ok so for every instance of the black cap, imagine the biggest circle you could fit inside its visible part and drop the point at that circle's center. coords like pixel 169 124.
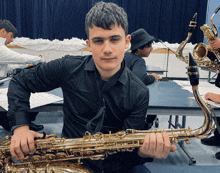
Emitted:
pixel 140 38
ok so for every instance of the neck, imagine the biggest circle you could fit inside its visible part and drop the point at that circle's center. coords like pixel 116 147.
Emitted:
pixel 107 74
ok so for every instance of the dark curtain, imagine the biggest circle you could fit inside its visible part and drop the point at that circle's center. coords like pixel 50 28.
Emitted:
pixel 167 20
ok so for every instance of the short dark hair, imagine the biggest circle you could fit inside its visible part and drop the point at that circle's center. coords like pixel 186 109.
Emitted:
pixel 143 46
pixel 9 27
pixel 104 14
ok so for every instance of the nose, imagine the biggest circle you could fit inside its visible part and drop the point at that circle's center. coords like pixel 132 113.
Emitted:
pixel 107 49
pixel 12 39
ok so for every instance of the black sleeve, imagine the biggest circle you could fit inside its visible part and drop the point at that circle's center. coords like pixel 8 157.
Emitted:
pixel 139 69
pixel 40 78
pixel 217 81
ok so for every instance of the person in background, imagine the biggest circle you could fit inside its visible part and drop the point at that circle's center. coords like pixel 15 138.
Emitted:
pixel 215 139
pixel 100 94
pixel 141 46
pixel 8 57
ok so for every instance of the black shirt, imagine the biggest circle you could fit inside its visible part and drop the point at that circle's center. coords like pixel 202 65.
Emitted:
pixel 124 99
pixel 137 65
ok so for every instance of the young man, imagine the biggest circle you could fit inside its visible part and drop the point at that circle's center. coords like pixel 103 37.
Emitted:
pixel 141 46
pixel 100 94
pixel 8 59
pixel 214 140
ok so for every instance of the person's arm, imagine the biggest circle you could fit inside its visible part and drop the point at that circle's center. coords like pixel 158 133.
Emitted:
pixel 212 96
pixel 8 56
pixel 39 78
pixel 156 145
pixel 139 69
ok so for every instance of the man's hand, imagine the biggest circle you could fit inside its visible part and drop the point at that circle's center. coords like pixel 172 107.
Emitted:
pixel 215 44
pixel 22 142
pixel 212 96
pixel 156 145
pixel 155 76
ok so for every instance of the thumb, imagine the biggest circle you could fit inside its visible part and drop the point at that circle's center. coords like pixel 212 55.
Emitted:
pixel 39 135
pixel 173 148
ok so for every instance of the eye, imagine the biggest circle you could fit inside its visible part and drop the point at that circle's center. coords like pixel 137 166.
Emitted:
pixel 98 41
pixel 115 40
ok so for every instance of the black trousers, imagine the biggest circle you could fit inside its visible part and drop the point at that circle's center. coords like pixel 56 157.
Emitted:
pixel 217 130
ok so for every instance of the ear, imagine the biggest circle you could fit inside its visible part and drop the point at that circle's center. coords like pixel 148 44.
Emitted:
pixel 88 45
pixel 127 41
pixel 2 32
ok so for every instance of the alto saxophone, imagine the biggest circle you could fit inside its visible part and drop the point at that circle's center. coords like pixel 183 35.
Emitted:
pixel 204 56
pixel 64 155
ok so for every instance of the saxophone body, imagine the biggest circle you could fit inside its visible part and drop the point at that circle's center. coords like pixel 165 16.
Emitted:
pixel 205 56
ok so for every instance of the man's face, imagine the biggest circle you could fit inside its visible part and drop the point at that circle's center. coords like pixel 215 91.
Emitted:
pixel 108 47
pixel 7 35
pixel 145 52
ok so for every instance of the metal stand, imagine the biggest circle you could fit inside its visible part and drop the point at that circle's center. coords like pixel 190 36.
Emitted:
pixel 192 161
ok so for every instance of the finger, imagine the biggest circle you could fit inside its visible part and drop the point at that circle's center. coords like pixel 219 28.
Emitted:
pixel 12 149
pixel 152 144
pixel 24 145
pixel 17 149
pixel 146 144
pixel 31 146
pixel 144 150
pixel 160 145
pixel 173 148
pixel 166 147
pixel 39 135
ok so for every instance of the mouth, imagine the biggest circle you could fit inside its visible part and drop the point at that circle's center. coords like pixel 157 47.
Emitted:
pixel 108 59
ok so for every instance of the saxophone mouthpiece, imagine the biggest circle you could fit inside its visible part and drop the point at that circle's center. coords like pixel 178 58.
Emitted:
pixel 193 72
pixel 194 17
pixel 193 23
pixel 217 9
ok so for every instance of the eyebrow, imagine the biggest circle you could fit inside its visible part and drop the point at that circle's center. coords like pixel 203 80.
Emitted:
pixel 113 36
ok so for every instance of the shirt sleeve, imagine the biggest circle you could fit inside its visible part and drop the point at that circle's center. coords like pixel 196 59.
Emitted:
pixel 40 78
pixel 139 69
pixel 136 120
pixel 8 56
pixel 217 81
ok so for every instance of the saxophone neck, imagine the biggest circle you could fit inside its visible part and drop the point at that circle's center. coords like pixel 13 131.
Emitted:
pixel 212 24
pixel 191 28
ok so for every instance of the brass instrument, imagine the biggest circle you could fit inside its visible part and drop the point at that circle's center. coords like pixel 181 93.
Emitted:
pixel 179 52
pixel 204 56
pixel 59 155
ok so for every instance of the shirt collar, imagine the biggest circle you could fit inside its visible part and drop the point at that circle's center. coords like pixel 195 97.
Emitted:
pixel 123 77
pixel 90 66
pixel 2 40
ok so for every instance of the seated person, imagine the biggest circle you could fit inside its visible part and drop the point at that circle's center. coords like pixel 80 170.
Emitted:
pixel 214 140
pixel 100 94
pixel 141 46
pixel 7 56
